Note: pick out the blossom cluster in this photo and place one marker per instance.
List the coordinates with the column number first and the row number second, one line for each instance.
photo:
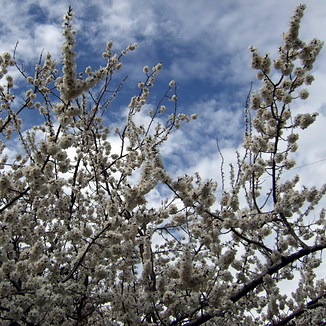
column 69, row 85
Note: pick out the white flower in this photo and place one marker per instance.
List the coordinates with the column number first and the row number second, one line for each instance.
column 169, row 297
column 4, row 182
column 65, row 141
column 158, row 67
column 304, row 94
column 309, row 79
column 293, row 138
column 109, row 45
column 287, row 98
column 132, row 47
column 6, row 56
column 146, row 69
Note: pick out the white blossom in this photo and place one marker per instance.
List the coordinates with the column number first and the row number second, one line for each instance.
column 94, row 229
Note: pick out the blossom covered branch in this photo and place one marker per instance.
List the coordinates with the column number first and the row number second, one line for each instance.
column 81, row 244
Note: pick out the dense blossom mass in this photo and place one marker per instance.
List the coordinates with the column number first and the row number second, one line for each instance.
column 80, row 245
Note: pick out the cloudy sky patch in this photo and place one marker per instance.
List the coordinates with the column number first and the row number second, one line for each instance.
column 203, row 45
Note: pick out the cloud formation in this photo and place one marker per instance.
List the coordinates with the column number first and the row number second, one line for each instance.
column 204, row 46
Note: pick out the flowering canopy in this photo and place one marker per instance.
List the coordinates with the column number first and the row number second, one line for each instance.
column 81, row 246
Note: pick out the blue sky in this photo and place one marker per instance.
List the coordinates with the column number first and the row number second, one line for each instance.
column 203, row 45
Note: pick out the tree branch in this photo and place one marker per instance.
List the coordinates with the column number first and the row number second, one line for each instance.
column 260, row 279
column 310, row 305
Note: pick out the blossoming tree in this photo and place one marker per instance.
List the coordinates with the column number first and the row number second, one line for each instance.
column 80, row 244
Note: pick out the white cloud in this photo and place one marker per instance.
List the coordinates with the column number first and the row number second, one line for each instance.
column 49, row 38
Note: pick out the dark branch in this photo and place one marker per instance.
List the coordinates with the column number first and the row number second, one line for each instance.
column 260, row 279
